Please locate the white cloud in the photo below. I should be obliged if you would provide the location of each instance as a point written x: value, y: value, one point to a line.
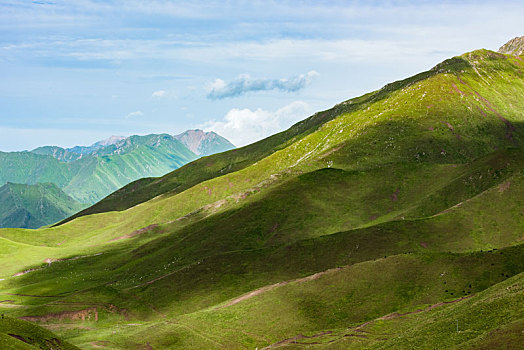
x: 159, y: 94
x: 245, y: 126
x: 219, y: 89
x: 134, y: 114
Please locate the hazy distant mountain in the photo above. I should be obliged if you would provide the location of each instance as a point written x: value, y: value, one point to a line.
x: 89, y: 173
x: 204, y: 143
x: 96, y: 146
x: 77, y: 152
x: 32, y: 206
x: 62, y: 154
x: 94, y: 172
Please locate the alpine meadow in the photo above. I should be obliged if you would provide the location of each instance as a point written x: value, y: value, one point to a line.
x: 393, y: 220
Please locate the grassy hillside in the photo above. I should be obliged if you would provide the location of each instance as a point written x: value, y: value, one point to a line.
x: 378, y: 223
x: 461, y: 109
x: 33, y: 206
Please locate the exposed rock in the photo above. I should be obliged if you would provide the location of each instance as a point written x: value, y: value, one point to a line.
x: 204, y: 143
x: 513, y: 47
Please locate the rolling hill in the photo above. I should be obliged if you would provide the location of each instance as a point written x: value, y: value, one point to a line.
x: 392, y: 220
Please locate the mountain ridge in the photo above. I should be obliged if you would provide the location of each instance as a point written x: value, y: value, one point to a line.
x: 89, y: 173
x: 175, y: 182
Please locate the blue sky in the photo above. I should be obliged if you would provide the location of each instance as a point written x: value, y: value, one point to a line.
x: 74, y: 72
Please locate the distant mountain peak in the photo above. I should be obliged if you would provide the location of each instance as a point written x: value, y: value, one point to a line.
x: 204, y: 143
x: 109, y: 141
x: 513, y: 47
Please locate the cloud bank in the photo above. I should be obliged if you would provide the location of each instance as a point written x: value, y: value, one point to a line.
x: 219, y: 89
x: 244, y: 126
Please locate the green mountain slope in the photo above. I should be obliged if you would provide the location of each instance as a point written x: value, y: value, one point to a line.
x: 463, y: 108
x: 377, y: 223
x: 32, y: 206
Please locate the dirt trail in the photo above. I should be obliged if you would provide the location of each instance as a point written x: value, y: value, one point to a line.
x: 359, y: 327
x: 295, y: 338
x: 49, y: 261
x: 279, y: 284
x: 136, y: 233
x: 86, y: 314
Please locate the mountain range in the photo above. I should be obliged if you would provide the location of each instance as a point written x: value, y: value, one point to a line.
x: 393, y: 220
x: 89, y: 173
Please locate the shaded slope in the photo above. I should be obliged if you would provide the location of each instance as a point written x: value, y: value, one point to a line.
x: 16, y: 334
x: 179, y: 271
x: 32, y: 206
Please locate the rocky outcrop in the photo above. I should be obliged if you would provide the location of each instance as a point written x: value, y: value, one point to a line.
x: 204, y: 143
x: 513, y: 47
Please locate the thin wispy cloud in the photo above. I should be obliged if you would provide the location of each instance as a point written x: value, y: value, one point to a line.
x: 159, y: 94
x: 219, y: 89
x: 134, y: 114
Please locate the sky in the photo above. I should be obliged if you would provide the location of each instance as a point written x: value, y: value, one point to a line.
x: 75, y: 72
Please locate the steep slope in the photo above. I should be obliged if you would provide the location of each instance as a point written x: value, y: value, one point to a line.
x: 461, y: 109
x: 407, y: 200
x: 32, y: 206
x: 204, y: 143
